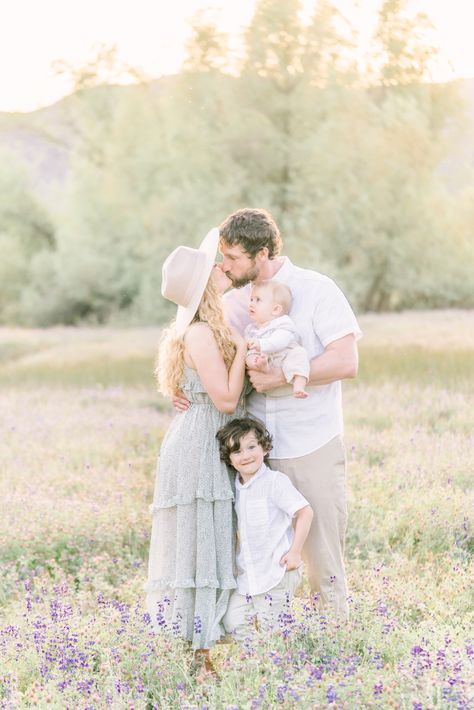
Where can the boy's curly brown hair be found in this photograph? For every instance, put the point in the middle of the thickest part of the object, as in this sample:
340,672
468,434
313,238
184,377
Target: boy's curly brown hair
230,435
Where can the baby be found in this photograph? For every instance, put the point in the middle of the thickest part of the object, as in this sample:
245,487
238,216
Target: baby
272,339
269,552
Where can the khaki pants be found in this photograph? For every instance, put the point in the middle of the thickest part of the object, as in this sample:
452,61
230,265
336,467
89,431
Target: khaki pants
293,361
321,478
246,613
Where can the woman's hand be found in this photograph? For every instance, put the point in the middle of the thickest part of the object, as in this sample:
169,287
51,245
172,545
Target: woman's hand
220,280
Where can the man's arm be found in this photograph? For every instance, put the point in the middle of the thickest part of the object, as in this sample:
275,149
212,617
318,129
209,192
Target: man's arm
338,361
180,401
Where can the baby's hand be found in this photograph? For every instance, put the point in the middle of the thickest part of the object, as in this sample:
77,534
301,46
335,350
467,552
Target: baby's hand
251,360
292,560
253,344
257,361
261,362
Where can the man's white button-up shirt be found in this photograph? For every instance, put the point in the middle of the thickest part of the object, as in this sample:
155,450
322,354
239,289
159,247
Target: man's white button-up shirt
321,314
265,506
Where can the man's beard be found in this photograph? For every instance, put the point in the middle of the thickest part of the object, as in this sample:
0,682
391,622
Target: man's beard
251,275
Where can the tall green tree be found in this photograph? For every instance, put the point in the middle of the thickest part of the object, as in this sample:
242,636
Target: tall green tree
25,230
404,46
351,173
207,47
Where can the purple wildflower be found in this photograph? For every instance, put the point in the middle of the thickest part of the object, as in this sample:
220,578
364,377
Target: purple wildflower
378,688
331,694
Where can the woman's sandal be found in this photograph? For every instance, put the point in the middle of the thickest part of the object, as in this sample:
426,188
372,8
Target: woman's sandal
204,664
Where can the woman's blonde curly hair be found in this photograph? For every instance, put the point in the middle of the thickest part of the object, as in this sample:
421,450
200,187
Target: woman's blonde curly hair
170,360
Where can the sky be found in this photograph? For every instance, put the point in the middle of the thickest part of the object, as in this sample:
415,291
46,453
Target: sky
150,35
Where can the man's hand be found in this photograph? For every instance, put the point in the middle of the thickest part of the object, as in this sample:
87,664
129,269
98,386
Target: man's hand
267,378
180,401
291,560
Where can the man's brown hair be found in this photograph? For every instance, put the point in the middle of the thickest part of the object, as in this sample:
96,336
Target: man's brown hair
252,229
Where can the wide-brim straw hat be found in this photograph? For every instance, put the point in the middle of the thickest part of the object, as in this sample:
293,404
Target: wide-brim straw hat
186,272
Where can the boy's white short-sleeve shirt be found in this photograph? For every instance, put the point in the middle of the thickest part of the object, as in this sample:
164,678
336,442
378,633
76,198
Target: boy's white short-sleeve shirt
321,314
265,506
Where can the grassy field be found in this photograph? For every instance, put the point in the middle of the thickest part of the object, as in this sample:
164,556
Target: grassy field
81,425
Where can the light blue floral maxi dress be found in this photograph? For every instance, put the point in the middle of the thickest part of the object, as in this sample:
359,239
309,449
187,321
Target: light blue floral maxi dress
191,560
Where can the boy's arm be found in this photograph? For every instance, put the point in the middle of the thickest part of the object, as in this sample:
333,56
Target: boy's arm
304,518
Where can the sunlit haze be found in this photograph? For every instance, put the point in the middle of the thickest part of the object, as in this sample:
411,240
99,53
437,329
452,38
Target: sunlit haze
150,35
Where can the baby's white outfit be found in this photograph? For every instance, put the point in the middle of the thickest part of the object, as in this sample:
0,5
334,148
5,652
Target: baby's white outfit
280,340
265,506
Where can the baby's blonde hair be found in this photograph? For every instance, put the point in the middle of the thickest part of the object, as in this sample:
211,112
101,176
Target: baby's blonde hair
281,293
170,360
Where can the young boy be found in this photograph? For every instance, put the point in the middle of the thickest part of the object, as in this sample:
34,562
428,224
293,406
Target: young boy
269,552
273,338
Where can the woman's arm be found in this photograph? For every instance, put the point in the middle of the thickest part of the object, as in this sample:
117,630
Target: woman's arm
223,386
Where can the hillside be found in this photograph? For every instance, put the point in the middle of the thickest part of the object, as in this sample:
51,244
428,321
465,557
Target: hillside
43,139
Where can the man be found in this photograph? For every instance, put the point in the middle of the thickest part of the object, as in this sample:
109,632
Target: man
307,433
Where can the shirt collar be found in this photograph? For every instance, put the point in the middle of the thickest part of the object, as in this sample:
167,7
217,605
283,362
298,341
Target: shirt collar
284,272
259,474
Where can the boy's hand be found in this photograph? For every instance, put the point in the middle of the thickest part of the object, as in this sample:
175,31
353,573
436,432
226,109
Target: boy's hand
292,560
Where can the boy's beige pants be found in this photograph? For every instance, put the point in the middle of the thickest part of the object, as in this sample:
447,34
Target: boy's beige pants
247,614
321,478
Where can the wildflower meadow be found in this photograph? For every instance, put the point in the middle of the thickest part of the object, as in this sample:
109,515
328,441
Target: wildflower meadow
81,424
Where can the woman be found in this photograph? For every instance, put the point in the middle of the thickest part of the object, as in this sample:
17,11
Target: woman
191,570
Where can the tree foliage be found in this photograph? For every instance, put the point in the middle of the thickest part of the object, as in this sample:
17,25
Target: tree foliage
349,168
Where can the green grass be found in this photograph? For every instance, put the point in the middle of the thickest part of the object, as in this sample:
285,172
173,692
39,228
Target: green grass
130,372
416,365
80,437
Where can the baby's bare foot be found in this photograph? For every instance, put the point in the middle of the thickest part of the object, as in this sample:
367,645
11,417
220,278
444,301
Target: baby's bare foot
299,383
261,361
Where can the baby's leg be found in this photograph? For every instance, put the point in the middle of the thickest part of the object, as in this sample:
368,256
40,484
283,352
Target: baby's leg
295,366
299,384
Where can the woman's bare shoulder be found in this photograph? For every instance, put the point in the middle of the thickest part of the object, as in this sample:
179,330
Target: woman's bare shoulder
198,333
